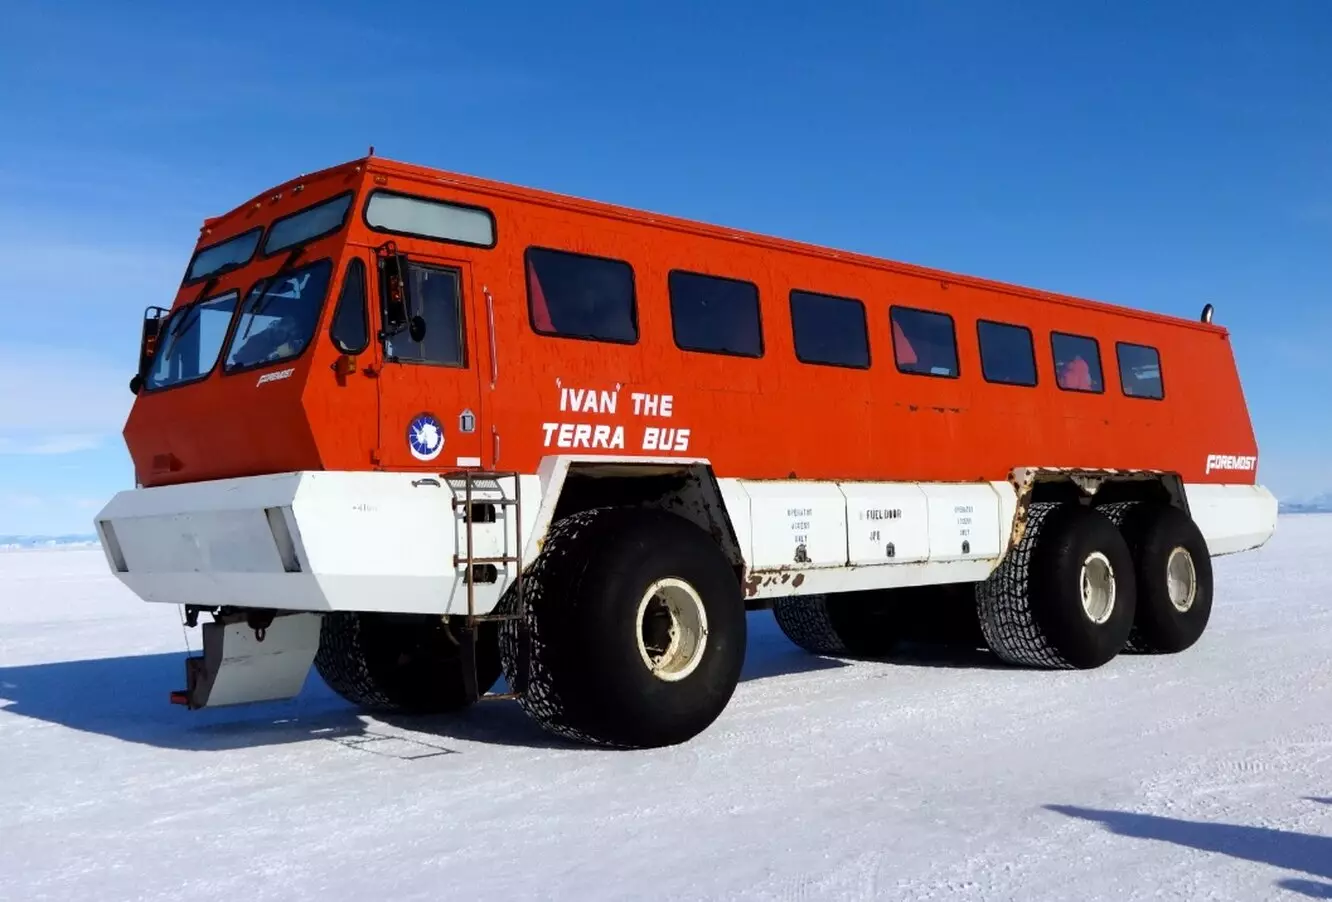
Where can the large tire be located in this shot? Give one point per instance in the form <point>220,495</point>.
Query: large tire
<point>1174,575</point>
<point>1036,610</point>
<point>592,594</point>
<point>401,664</point>
<point>850,624</point>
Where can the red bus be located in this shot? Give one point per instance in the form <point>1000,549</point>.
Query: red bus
<point>426,431</point>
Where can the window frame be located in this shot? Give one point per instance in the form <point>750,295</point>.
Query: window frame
<point>365,307</point>
<point>952,329</point>
<point>1031,345</point>
<point>381,230</point>
<point>240,307</point>
<point>258,243</point>
<point>265,253</point>
<point>864,320</point>
<point>528,268</point>
<point>1160,370</point>
<point>1100,362</point>
<point>758,314</point>
<point>204,375</point>
<point>463,319</point>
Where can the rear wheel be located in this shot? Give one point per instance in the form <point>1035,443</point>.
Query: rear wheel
<point>398,663</point>
<point>636,630</point>
<point>1064,596</point>
<point>1174,574</point>
<point>853,624</point>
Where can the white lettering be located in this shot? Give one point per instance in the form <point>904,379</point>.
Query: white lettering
<point>583,435</point>
<point>586,400</point>
<point>656,438</point>
<point>666,401</point>
<point>565,438</point>
<point>550,431</point>
<point>1230,462</point>
<point>277,376</point>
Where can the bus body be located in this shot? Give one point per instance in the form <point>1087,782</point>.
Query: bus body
<point>426,430</point>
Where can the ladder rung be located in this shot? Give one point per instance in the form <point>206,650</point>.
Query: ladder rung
<point>496,618</point>
<point>476,499</point>
<point>460,560</point>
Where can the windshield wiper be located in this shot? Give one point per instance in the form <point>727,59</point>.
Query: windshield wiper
<point>264,298</point>
<point>192,306</point>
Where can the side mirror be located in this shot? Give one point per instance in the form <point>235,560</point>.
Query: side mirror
<point>417,329</point>
<point>153,318</point>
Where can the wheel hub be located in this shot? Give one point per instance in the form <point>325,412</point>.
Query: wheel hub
<point>672,629</point>
<point>1181,579</point>
<point>1097,584</point>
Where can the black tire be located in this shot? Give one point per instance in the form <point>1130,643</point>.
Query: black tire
<point>1153,532</point>
<point>587,680</point>
<point>847,624</point>
<point>1031,608</point>
<point>401,664</point>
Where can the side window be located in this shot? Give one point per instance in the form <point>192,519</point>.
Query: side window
<point>436,298</point>
<point>1007,353</point>
<point>715,315</point>
<point>350,330</point>
<point>829,330</point>
<point>1077,361</point>
<point>1140,371</point>
<point>578,296</point>
<point>923,342</point>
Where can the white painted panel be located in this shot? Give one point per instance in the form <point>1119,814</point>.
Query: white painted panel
<point>854,579</point>
<point>276,668</point>
<point>964,521</point>
<point>886,523</point>
<point>1232,518</point>
<point>736,501</point>
<point>797,524</point>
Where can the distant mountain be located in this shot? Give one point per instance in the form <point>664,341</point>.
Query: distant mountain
<point>29,543</point>
<point>1317,504</point>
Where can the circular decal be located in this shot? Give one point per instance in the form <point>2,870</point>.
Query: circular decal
<point>425,437</point>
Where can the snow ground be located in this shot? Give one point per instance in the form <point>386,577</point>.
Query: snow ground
<point>1202,776</point>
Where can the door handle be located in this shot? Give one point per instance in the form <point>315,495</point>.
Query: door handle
<point>490,329</point>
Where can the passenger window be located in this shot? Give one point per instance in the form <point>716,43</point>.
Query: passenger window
<point>923,342</point>
<point>350,330</point>
<point>829,330</point>
<point>436,298</point>
<point>1077,362</point>
<point>577,296</point>
<point>1007,353</point>
<point>1140,371</point>
<point>715,315</point>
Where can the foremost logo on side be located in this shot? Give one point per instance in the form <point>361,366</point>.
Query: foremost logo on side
<point>1230,462</point>
<point>277,376</point>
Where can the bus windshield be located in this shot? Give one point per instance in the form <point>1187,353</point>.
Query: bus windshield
<point>278,324</point>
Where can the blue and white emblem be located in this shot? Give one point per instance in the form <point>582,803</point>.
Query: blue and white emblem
<point>425,437</point>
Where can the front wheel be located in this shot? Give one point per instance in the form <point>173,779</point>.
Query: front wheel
<point>636,626</point>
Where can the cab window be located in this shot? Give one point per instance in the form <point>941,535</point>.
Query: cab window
<point>435,295</point>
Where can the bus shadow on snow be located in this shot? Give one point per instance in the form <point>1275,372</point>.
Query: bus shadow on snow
<point>126,698</point>
<point>1307,854</point>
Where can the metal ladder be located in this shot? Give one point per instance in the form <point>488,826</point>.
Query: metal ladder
<point>469,560</point>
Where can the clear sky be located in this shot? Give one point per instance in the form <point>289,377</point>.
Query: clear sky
<point>1157,155</point>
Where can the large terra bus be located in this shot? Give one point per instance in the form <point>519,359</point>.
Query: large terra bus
<point>450,439</point>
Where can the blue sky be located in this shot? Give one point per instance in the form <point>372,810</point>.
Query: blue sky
<point>1161,158</point>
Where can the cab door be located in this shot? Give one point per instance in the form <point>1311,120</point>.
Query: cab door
<point>430,415</point>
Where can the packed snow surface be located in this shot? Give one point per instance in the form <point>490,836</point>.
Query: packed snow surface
<point>1206,775</point>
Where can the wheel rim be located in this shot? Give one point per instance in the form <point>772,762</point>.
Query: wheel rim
<point>672,629</point>
<point>1097,585</point>
<point>1181,579</point>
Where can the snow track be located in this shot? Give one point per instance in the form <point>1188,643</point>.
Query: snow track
<point>1206,775</point>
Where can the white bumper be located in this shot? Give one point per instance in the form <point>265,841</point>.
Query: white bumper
<point>1232,518</point>
<point>311,541</point>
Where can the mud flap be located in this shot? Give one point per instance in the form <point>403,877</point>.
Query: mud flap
<point>238,667</point>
